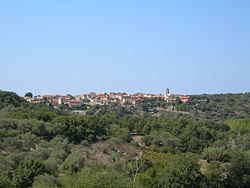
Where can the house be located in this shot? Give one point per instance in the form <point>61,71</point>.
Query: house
<point>185,99</point>
<point>137,101</point>
<point>75,103</point>
<point>170,98</point>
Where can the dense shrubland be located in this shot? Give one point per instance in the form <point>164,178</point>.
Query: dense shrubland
<point>218,107</point>
<point>43,147</point>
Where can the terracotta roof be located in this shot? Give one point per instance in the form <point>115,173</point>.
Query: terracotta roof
<point>185,97</point>
<point>101,95</point>
<point>47,96</point>
<point>75,101</point>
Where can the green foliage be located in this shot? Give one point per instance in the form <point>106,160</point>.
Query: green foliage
<point>200,135</point>
<point>5,179</point>
<point>55,159</point>
<point>180,171</point>
<point>74,162</point>
<point>183,171</point>
<point>241,126</point>
<point>29,94</point>
<point>155,102</point>
<point>82,128</point>
<point>35,111</point>
<point>100,175</point>
<point>219,106</point>
<point>139,165</point>
<point>32,132</point>
<point>238,142</point>
<point>26,172</point>
<point>10,98</point>
<point>215,153</point>
<point>161,139</point>
<point>178,101</point>
<point>239,170</point>
<point>58,147</point>
<point>46,180</point>
<point>29,140</point>
<point>216,175</point>
<point>120,133</point>
<point>156,157</point>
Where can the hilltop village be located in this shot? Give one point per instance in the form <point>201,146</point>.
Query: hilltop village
<point>102,98</point>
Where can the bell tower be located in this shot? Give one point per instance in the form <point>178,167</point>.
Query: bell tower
<point>167,91</point>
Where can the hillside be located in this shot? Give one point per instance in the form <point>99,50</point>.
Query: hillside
<point>10,99</point>
<point>44,147</point>
<point>218,106</point>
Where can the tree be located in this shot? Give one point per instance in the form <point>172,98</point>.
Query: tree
<point>82,128</point>
<point>178,101</point>
<point>29,141</point>
<point>5,180</point>
<point>215,153</point>
<point>10,98</point>
<point>239,171</point>
<point>96,175</point>
<point>73,163</point>
<point>26,172</point>
<point>195,138</point>
<point>121,133</point>
<point>161,139</point>
<point>183,172</point>
<point>29,94</point>
<point>39,129</point>
<point>12,144</point>
<point>216,175</point>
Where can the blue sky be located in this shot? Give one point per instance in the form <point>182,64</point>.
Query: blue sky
<point>78,46</point>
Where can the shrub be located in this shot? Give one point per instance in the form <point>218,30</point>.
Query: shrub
<point>46,180</point>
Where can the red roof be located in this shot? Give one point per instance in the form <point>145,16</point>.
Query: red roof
<point>75,101</point>
<point>185,97</point>
<point>102,95</point>
<point>177,95</point>
<point>47,96</point>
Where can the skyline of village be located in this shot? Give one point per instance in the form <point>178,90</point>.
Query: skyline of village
<point>93,98</point>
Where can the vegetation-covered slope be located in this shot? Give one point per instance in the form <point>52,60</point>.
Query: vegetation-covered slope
<point>10,98</point>
<point>43,147</point>
<point>218,107</point>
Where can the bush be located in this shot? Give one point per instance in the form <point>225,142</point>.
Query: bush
<point>5,179</point>
<point>239,171</point>
<point>215,153</point>
<point>120,133</point>
<point>74,163</point>
<point>46,180</point>
<point>95,175</point>
<point>160,139</point>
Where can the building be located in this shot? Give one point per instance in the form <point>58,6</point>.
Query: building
<point>185,99</point>
<point>172,97</point>
<point>75,103</point>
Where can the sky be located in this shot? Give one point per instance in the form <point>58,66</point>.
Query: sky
<point>80,46</point>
